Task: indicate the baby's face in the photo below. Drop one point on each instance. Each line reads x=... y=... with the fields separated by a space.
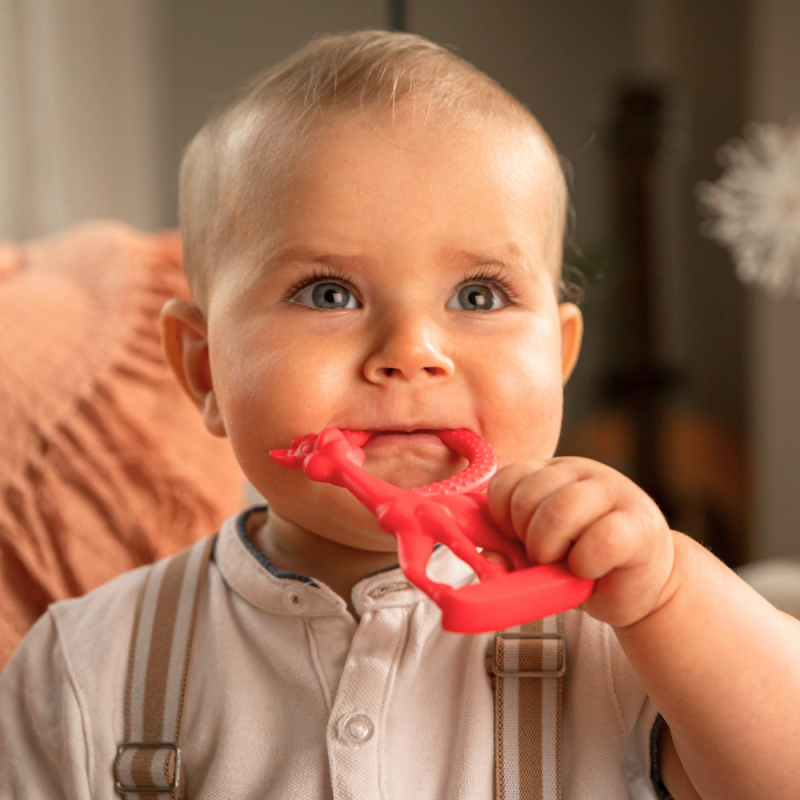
x=404 y=285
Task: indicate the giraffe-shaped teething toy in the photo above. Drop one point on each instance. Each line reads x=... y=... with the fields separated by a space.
x=455 y=513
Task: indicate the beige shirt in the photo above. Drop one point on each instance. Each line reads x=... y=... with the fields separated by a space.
x=278 y=665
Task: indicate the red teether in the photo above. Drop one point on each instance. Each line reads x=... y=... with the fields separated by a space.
x=455 y=513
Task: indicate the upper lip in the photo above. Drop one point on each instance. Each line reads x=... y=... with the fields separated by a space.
x=423 y=427
x=426 y=429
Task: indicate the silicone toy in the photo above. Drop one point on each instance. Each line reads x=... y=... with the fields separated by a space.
x=455 y=513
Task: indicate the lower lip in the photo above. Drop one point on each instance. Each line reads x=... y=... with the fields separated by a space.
x=415 y=439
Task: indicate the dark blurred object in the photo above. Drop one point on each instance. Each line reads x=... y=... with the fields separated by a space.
x=397 y=15
x=641 y=383
x=105 y=465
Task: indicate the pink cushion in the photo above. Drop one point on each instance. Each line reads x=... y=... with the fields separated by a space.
x=104 y=464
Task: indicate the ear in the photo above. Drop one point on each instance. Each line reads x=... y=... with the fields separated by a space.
x=571 y=337
x=184 y=336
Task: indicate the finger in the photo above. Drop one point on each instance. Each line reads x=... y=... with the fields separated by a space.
x=517 y=489
x=534 y=488
x=501 y=487
x=563 y=515
x=610 y=542
x=497 y=558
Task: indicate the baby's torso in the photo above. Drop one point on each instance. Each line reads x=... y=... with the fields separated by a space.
x=287 y=696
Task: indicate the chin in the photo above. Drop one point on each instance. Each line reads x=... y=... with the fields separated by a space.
x=333 y=513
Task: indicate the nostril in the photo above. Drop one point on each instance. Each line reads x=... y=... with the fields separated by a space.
x=389 y=372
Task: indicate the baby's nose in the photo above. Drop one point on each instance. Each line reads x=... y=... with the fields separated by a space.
x=412 y=352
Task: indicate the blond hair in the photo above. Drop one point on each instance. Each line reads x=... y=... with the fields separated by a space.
x=281 y=107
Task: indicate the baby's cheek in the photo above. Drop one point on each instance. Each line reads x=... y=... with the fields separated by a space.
x=526 y=416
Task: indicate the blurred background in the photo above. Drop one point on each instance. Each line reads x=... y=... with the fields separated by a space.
x=689 y=381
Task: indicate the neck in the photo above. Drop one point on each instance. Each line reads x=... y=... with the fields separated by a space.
x=295 y=549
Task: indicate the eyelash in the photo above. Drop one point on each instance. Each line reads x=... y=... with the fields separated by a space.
x=491 y=277
x=319 y=275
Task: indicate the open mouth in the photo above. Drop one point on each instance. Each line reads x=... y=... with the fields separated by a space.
x=416 y=438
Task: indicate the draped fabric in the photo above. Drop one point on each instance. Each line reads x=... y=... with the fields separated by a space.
x=104 y=464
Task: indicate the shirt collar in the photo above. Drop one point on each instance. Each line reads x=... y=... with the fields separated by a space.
x=250 y=574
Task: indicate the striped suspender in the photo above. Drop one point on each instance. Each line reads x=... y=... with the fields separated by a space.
x=148 y=763
x=529 y=663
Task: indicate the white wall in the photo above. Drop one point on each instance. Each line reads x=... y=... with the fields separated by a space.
x=79 y=101
x=99 y=97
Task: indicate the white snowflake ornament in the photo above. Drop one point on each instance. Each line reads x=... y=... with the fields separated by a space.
x=754 y=207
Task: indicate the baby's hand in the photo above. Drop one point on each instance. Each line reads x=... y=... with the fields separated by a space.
x=603 y=523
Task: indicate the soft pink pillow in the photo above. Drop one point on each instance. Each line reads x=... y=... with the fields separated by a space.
x=104 y=464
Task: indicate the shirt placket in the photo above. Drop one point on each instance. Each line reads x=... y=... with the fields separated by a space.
x=356 y=737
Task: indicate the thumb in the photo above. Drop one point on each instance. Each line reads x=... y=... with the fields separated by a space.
x=497 y=558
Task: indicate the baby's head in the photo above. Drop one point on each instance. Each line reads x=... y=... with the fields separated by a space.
x=373 y=236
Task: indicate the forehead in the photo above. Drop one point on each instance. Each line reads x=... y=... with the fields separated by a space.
x=368 y=185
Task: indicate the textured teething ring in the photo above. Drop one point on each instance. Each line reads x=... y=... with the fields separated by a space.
x=455 y=513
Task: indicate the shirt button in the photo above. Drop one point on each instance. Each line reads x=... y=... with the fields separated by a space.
x=357 y=728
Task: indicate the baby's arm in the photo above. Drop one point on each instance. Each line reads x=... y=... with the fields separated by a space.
x=718 y=661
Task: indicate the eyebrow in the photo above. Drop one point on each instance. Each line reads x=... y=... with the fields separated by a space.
x=509 y=257
x=303 y=255
x=512 y=259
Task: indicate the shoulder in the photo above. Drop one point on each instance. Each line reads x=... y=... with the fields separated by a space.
x=95 y=632
x=61 y=691
x=96 y=624
x=85 y=630
x=66 y=680
x=90 y=637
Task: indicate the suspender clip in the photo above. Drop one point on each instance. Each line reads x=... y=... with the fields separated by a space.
x=529 y=639
x=164 y=763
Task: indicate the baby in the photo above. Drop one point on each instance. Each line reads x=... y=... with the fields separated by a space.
x=372 y=232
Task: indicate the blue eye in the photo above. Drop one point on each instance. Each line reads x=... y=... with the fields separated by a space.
x=475 y=297
x=326 y=295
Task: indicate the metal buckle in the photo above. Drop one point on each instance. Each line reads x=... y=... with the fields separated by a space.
x=553 y=673
x=173 y=787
